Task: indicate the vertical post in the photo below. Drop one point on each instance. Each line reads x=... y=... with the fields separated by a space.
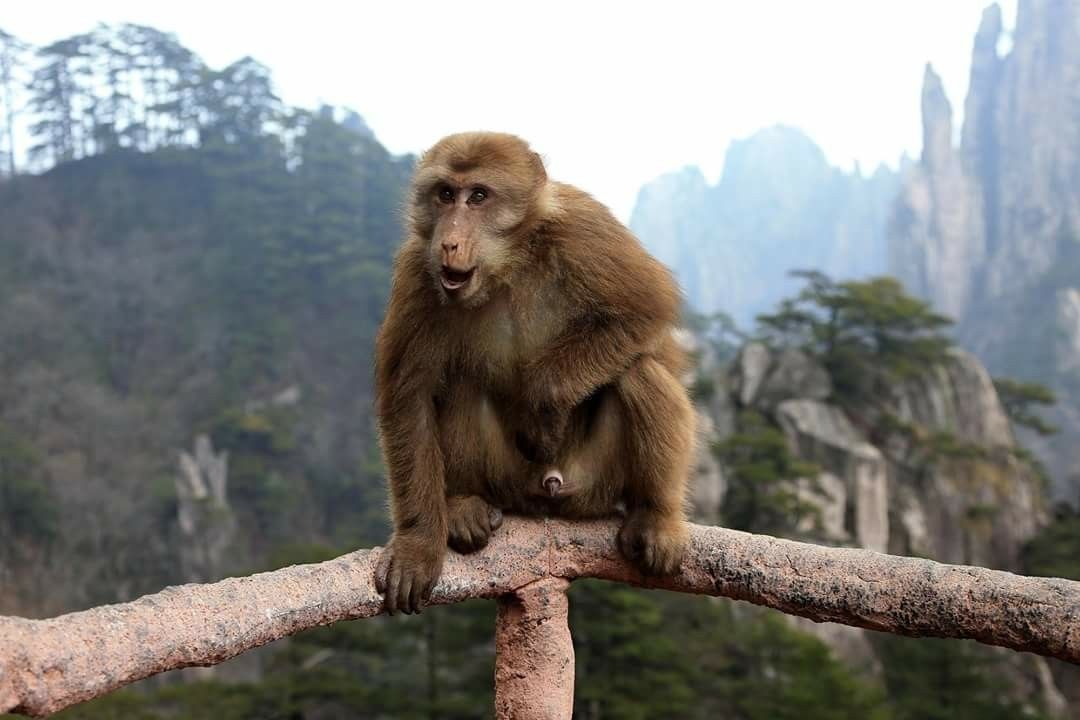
x=534 y=654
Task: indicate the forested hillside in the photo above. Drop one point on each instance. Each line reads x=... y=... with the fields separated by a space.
x=184 y=264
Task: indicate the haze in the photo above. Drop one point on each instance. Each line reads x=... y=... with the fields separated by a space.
x=612 y=94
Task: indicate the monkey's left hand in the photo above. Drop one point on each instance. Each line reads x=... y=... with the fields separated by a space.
x=407 y=570
x=540 y=433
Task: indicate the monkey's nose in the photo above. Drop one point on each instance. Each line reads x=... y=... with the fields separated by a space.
x=449 y=247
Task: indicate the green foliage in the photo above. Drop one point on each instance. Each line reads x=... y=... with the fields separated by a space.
x=720 y=340
x=703 y=388
x=761 y=496
x=718 y=330
x=868 y=334
x=1019 y=398
x=1055 y=550
x=262 y=466
x=123 y=704
x=630 y=663
x=28 y=511
x=931 y=679
x=777 y=673
x=267 y=431
x=648 y=654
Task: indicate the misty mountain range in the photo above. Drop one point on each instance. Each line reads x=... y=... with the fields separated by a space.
x=779 y=206
x=988 y=231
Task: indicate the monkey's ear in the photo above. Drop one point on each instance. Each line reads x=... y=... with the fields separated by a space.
x=538 y=166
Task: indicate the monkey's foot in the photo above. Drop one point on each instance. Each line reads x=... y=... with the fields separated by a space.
x=471 y=520
x=407 y=570
x=654 y=542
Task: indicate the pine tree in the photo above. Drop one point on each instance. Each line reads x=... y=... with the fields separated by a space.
x=12 y=59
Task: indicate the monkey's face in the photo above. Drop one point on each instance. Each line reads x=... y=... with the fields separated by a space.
x=472 y=196
x=467 y=250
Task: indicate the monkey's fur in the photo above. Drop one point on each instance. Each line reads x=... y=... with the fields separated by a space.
x=527 y=330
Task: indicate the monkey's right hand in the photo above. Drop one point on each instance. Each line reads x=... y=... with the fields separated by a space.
x=407 y=570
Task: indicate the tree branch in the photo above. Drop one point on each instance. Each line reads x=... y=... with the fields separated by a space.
x=46 y=665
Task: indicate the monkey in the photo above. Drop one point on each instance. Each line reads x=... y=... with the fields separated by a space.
x=526 y=363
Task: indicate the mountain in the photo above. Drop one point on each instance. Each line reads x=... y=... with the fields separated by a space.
x=778 y=206
x=989 y=230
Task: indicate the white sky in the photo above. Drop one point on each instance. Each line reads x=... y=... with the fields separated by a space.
x=611 y=93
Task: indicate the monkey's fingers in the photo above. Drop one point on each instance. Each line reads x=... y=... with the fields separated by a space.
x=382 y=567
x=416 y=594
x=429 y=588
x=390 y=597
x=404 y=592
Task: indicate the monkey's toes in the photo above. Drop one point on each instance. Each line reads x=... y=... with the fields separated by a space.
x=655 y=544
x=406 y=573
x=471 y=521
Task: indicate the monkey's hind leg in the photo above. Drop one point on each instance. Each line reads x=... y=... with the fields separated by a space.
x=478 y=459
x=471 y=520
x=659 y=438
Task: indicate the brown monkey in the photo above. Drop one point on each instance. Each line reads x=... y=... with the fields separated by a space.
x=526 y=363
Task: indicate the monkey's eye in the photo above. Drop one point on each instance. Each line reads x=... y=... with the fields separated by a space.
x=478 y=196
x=446 y=195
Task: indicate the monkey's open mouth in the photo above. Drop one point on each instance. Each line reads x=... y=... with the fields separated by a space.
x=456 y=279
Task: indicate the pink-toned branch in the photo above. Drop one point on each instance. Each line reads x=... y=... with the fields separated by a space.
x=46 y=665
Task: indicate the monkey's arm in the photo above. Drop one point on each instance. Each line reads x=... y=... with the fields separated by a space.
x=629 y=305
x=418 y=505
x=410 y=444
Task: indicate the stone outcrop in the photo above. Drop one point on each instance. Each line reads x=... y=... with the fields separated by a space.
x=989 y=230
x=999 y=201
x=972 y=502
x=853 y=476
x=206 y=521
x=940 y=214
x=977 y=509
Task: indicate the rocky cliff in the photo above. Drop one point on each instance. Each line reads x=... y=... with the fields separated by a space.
x=977 y=506
x=969 y=501
x=778 y=206
x=989 y=230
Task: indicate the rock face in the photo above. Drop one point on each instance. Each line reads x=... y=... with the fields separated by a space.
x=941 y=213
x=973 y=503
x=206 y=522
x=971 y=510
x=853 y=472
x=779 y=206
x=990 y=231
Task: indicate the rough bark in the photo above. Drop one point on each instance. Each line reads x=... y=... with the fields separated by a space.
x=46 y=665
x=534 y=653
